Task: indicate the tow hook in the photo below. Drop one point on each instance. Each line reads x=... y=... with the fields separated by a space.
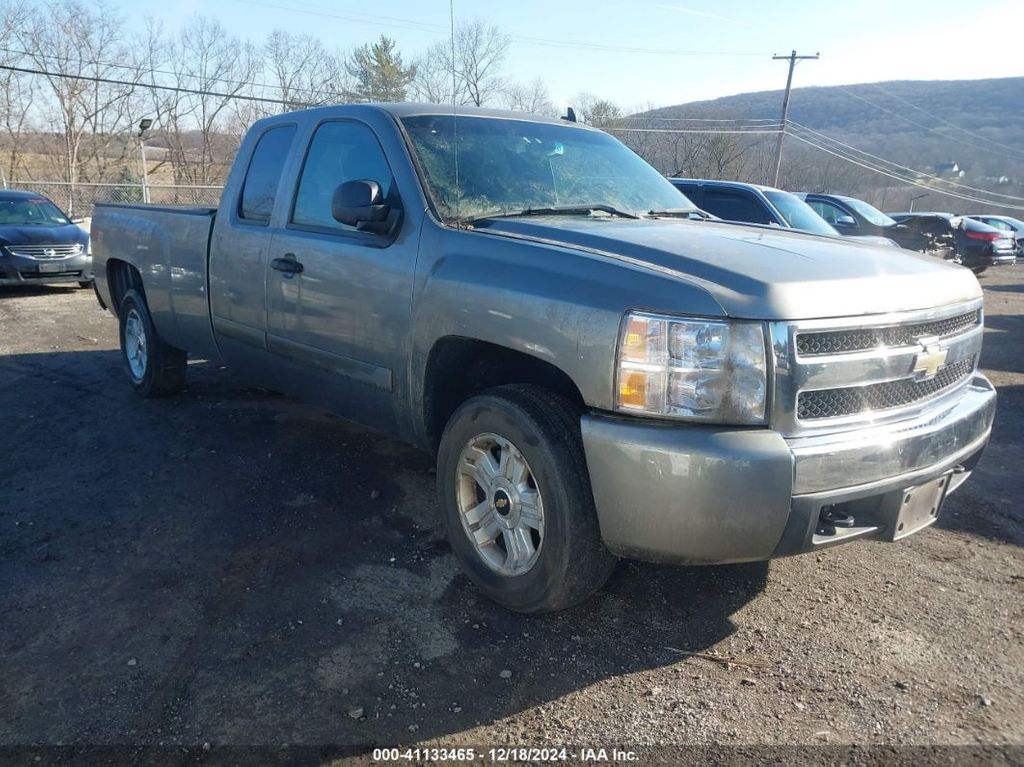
x=831 y=518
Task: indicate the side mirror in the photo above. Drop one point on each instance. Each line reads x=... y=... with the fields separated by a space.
x=845 y=221
x=361 y=204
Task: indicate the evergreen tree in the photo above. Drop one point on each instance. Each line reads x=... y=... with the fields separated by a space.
x=378 y=72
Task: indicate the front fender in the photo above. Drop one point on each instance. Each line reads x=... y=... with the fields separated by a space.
x=561 y=305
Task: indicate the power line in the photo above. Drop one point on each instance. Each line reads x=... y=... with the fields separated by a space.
x=838 y=153
x=418 y=26
x=771 y=129
x=977 y=136
x=822 y=136
x=906 y=119
x=706 y=119
x=147 y=70
x=153 y=86
x=898 y=177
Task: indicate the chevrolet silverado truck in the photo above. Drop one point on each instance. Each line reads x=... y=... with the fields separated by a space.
x=600 y=370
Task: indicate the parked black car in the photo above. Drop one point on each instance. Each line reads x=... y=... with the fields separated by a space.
x=39 y=243
x=850 y=216
x=1006 y=223
x=968 y=242
x=755 y=204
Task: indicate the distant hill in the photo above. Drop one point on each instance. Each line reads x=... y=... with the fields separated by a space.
x=926 y=125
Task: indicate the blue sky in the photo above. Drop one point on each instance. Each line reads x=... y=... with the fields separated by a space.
x=864 y=41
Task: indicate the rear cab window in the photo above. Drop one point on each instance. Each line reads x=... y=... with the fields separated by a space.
x=259 y=188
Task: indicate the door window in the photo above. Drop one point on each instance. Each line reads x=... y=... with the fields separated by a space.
x=827 y=210
x=259 y=189
x=735 y=206
x=339 y=152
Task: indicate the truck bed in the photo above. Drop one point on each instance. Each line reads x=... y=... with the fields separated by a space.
x=168 y=245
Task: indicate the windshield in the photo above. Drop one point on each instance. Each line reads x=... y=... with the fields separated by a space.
x=799 y=214
x=1006 y=223
x=870 y=212
x=507 y=166
x=31 y=211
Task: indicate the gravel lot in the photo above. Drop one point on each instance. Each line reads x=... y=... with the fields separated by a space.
x=230 y=567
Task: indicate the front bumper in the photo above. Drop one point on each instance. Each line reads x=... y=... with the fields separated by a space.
x=702 y=494
x=21 y=270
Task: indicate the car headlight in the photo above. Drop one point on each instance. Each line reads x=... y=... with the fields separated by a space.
x=703 y=370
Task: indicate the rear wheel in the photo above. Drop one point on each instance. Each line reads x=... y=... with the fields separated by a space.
x=516 y=500
x=154 y=368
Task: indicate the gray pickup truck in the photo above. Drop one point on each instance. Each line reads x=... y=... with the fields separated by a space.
x=600 y=370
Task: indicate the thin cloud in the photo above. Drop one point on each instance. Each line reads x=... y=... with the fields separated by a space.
x=692 y=12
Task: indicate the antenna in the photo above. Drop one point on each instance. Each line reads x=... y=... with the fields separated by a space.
x=455 y=116
x=570 y=115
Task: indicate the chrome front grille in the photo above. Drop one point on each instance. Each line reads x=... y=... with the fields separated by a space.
x=44 y=252
x=860 y=339
x=836 y=403
x=837 y=374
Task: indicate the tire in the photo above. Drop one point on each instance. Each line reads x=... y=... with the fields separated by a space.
x=569 y=561
x=154 y=368
x=979 y=270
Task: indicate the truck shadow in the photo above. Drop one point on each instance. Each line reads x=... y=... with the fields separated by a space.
x=1003 y=333
x=989 y=504
x=229 y=566
x=1017 y=288
x=22 y=291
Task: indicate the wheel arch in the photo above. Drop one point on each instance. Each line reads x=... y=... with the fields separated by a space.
x=459 y=367
x=121 y=277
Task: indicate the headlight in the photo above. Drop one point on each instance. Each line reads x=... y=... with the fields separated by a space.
x=705 y=370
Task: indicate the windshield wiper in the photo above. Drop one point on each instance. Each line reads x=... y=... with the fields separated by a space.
x=681 y=213
x=566 y=210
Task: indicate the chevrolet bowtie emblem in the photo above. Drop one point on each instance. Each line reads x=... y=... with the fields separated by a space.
x=928 y=362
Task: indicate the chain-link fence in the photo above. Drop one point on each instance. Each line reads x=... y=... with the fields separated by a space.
x=78 y=200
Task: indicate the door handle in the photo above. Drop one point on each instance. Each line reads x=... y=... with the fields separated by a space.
x=287 y=265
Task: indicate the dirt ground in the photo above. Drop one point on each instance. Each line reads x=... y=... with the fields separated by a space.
x=231 y=567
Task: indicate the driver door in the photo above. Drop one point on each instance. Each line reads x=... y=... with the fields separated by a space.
x=338 y=299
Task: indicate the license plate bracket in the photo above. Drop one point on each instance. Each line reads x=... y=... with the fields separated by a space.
x=920 y=506
x=51 y=268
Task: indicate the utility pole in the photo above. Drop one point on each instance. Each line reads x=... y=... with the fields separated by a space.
x=793 y=59
x=144 y=125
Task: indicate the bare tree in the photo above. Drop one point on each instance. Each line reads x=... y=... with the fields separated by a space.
x=433 y=82
x=17 y=90
x=528 y=97
x=302 y=71
x=472 y=67
x=193 y=126
x=597 y=111
x=81 y=46
x=479 y=53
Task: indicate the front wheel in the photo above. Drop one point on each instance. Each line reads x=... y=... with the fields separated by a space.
x=154 y=368
x=516 y=500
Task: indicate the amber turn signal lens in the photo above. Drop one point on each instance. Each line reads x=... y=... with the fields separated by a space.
x=634 y=346
x=633 y=389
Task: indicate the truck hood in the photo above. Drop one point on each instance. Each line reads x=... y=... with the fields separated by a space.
x=760 y=272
